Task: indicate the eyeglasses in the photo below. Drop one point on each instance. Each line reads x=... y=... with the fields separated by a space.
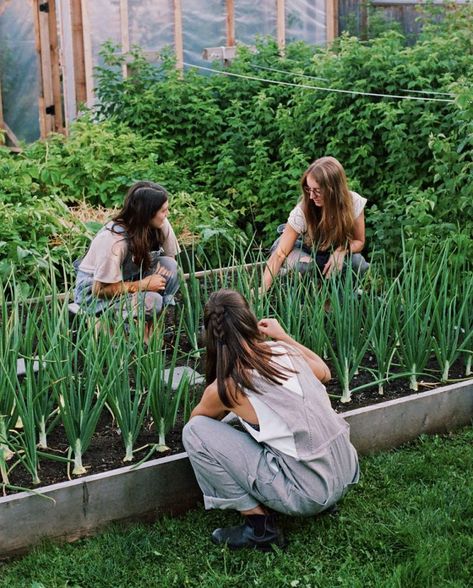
x=309 y=191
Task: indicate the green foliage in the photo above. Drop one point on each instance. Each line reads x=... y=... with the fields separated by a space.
x=393 y=530
x=251 y=140
x=231 y=150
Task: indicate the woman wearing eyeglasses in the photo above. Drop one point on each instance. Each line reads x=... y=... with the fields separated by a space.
x=327 y=227
x=131 y=263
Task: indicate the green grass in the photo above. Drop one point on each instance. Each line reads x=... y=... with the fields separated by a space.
x=407 y=524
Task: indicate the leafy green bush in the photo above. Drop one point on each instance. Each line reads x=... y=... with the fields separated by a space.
x=251 y=140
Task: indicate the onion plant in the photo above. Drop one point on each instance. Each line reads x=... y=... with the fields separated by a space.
x=413 y=316
x=83 y=377
x=192 y=305
x=449 y=338
x=380 y=321
x=10 y=344
x=164 y=401
x=128 y=398
x=313 y=310
x=351 y=334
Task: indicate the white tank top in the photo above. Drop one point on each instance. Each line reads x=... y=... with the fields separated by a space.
x=272 y=429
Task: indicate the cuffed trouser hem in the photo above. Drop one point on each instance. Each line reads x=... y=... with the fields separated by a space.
x=245 y=502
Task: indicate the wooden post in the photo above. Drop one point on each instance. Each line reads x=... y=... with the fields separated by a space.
x=45 y=98
x=66 y=60
x=281 y=24
x=88 y=64
x=364 y=20
x=2 y=128
x=178 y=43
x=331 y=20
x=55 y=68
x=124 y=33
x=230 y=23
x=8 y=132
x=78 y=52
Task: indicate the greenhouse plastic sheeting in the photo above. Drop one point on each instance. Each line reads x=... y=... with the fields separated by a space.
x=151 y=23
x=19 y=68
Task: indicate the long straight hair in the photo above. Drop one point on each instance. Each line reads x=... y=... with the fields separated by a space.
x=330 y=225
x=142 y=202
x=235 y=346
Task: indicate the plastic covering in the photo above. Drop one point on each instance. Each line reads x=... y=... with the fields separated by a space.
x=151 y=23
x=151 y=26
x=19 y=68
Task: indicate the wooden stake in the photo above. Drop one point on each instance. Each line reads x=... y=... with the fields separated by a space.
x=331 y=16
x=2 y=127
x=230 y=23
x=124 y=33
x=178 y=44
x=281 y=24
x=45 y=97
x=78 y=52
x=88 y=64
x=66 y=60
x=55 y=69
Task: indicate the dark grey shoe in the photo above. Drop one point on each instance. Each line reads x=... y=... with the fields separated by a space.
x=257 y=532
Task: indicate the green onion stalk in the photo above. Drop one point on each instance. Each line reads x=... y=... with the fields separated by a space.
x=83 y=377
x=351 y=334
x=164 y=402
x=413 y=316
x=128 y=398
x=380 y=318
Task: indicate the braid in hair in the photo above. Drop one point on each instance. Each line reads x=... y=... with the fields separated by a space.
x=235 y=347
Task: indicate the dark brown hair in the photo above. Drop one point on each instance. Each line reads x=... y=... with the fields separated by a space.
x=142 y=202
x=330 y=225
x=235 y=346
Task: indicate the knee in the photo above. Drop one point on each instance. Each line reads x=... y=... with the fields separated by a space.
x=170 y=264
x=153 y=303
x=192 y=433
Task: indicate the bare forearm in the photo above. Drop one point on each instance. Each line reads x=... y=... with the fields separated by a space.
x=356 y=246
x=272 y=268
x=116 y=289
x=314 y=360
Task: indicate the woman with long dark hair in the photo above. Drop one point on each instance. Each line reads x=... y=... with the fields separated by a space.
x=293 y=456
x=132 y=256
x=325 y=230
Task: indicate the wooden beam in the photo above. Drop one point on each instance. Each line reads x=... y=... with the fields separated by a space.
x=2 y=127
x=281 y=24
x=88 y=62
x=331 y=20
x=66 y=61
x=78 y=52
x=124 y=33
x=230 y=9
x=55 y=68
x=178 y=43
x=45 y=97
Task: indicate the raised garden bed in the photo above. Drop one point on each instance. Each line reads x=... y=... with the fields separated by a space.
x=77 y=508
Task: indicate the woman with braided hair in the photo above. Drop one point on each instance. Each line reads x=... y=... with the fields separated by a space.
x=293 y=455
x=325 y=230
x=131 y=263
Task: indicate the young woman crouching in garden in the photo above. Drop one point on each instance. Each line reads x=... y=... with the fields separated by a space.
x=294 y=455
x=326 y=228
x=131 y=263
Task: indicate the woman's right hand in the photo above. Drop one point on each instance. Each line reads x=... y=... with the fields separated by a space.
x=154 y=283
x=271 y=328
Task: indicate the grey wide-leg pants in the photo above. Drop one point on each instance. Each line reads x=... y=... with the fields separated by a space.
x=236 y=472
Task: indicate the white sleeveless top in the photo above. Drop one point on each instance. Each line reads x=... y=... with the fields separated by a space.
x=272 y=429
x=298 y=221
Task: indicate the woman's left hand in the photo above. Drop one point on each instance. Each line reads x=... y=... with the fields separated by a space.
x=334 y=263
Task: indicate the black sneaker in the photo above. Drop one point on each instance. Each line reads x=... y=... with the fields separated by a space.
x=257 y=532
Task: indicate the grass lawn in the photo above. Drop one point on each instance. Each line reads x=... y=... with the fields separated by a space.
x=409 y=523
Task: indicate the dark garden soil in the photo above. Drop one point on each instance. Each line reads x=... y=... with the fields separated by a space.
x=106 y=451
